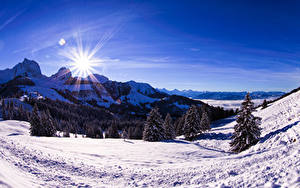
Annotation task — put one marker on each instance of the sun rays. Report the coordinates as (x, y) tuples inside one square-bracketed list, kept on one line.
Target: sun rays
[(81, 61)]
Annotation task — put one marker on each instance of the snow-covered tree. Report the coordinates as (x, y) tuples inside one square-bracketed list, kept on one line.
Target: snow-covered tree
[(204, 123), (135, 132), (35, 122), (192, 123), (246, 131), (169, 128), (179, 125), (93, 129), (48, 127), (4, 116), (112, 131), (264, 104), (154, 129)]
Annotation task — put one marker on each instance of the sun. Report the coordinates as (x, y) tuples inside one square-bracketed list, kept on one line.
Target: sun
[(81, 61), (83, 64)]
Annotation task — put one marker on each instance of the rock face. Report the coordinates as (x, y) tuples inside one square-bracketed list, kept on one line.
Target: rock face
[(27, 68)]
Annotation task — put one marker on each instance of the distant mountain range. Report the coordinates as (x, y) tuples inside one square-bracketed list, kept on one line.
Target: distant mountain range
[(223, 95), (129, 98)]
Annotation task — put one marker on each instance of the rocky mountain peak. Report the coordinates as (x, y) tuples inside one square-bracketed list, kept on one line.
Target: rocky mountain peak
[(62, 74), (28, 68)]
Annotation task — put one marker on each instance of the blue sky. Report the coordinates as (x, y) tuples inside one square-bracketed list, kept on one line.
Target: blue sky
[(200, 45)]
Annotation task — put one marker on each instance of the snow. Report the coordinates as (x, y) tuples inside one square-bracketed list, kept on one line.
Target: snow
[(74, 162), (142, 88), (136, 98)]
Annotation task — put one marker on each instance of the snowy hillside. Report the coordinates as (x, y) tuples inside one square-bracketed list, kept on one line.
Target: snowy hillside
[(50, 162)]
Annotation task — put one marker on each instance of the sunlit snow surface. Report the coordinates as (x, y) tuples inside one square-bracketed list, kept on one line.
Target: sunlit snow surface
[(48, 162)]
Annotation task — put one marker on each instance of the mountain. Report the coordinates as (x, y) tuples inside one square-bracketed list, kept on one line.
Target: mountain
[(96, 90), (26, 68), (223, 95)]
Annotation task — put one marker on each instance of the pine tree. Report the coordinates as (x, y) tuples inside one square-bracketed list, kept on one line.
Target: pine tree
[(191, 123), (50, 128), (4, 116), (93, 129), (264, 104), (112, 131), (131, 133), (138, 132), (154, 130), (90, 130), (35, 122), (204, 123), (246, 131), (169, 128), (43, 122), (179, 124)]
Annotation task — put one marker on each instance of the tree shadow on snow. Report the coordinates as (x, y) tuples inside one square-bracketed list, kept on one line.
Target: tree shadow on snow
[(176, 141), (222, 129), (271, 134), (210, 149), (222, 122), (128, 141), (14, 134), (193, 143), (214, 136)]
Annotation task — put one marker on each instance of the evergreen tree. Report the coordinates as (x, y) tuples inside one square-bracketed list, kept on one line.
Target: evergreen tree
[(154, 129), (50, 127), (179, 124), (204, 123), (112, 131), (4, 116), (90, 130), (131, 133), (35, 122), (138, 132), (93, 129), (246, 131), (169, 128), (264, 104), (191, 123)]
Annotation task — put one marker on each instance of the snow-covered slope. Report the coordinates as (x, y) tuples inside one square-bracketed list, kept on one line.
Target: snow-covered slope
[(67, 162), (142, 88)]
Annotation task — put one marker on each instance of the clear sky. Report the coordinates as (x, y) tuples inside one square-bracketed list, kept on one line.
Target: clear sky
[(200, 45)]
